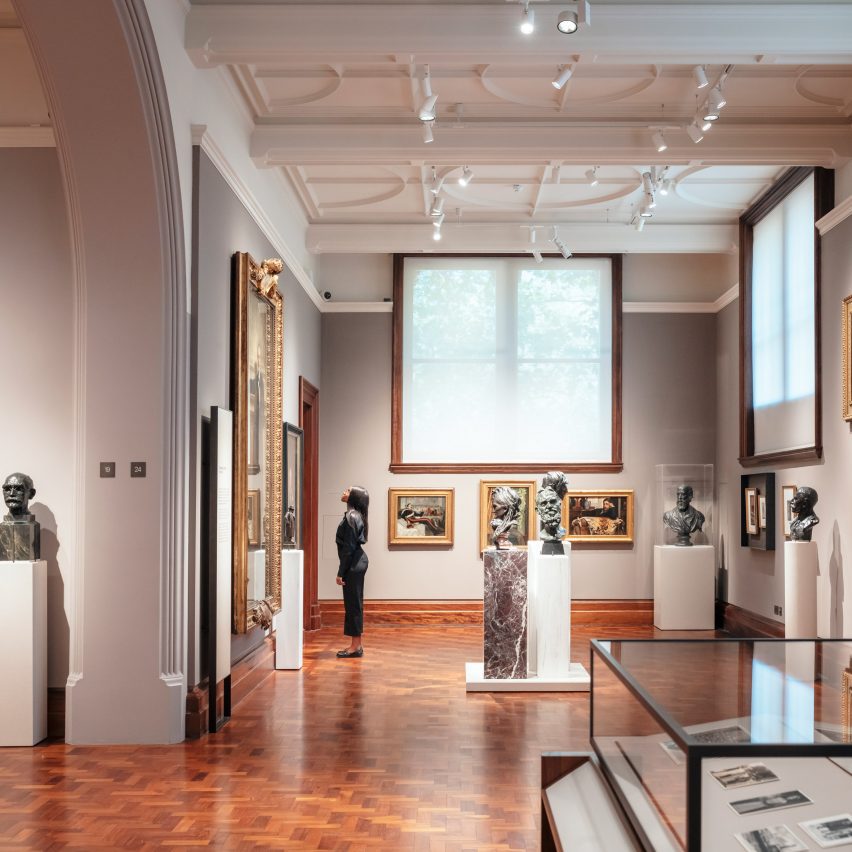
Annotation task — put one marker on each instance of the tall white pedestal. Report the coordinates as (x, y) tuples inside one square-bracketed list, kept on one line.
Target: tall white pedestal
[(684, 587), (23, 660), (801, 567), (549, 612), (289, 627)]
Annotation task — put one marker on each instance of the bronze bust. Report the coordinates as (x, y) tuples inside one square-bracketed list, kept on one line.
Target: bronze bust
[(20, 534), (548, 504), (802, 505), (684, 519)]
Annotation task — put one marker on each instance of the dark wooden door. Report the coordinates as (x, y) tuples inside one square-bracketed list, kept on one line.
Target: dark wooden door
[(309, 422)]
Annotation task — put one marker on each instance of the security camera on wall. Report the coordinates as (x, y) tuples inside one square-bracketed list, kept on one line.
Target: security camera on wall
[(327, 295)]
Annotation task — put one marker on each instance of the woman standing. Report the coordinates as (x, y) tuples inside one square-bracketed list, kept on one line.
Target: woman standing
[(351, 534)]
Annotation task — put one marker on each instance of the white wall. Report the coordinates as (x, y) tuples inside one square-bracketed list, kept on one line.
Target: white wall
[(36, 382), (755, 579), (669, 417)]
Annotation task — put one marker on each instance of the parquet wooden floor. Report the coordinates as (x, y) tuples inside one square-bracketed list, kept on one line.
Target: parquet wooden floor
[(385, 752)]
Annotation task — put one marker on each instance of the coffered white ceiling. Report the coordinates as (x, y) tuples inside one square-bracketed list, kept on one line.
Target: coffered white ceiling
[(334, 89)]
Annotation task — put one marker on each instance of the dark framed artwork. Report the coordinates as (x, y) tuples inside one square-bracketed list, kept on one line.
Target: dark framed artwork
[(757, 489), (421, 516), (294, 480), (598, 517)]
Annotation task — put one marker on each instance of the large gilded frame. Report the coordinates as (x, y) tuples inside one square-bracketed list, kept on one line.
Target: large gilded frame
[(253, 281)]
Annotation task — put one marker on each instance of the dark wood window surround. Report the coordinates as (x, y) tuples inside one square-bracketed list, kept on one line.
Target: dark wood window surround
[(823, 203), (398, 466)]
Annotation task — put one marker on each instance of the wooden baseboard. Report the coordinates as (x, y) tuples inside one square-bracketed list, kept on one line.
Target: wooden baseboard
[(743, 623), (246, 676), (384, 613)]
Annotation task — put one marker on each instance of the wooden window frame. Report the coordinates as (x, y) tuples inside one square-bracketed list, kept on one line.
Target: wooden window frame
[(398, 466), (823, 203)]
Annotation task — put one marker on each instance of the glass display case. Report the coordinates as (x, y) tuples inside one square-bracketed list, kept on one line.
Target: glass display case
[(726, 744), (670, 477)]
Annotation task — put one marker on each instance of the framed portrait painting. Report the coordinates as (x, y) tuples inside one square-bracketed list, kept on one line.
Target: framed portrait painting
[(525, 530), (598, 517), (421, 516), (294, 460)]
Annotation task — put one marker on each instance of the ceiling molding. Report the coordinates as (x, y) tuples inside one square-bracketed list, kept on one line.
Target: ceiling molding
[(201, 136), (683, 307), (834, 217), (27, 137), (357, 307)]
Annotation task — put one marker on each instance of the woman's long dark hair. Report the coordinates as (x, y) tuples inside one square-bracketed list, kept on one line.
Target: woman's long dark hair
[(359, 500)]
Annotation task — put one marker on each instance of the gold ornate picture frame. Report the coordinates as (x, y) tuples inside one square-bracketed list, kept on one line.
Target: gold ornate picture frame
[(846, 367), (526, 515), (257, 368), (421, 516), (599, 516)]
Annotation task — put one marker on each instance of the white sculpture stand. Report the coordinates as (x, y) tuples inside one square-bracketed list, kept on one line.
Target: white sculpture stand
[(256, 566), (23, 662), (801, 567), (549, 666), (684, 587), (289, 621)]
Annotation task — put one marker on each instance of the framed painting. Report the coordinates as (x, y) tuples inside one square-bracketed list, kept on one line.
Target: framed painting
[(421, 516), (752, 518), (253, 522), (294, 477), (846, 366), (761, 512), (525, 530), (757, 511), (788, 492), (598, 517)]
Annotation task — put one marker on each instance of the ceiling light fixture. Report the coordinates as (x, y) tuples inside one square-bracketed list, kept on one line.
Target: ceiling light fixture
[(694, 133), (563, 76), (647, 183), (537, 255), (567, 22), (659, 141), (427, 108), (665, 187), (650, 201), (465, 177), (436, 233), (427, 132), (559, 244), (436, 183), (717, 98), (528, 19), (700, 77), (592, 176), (638, 222), (713, 107), (705, 125), (437, 208), (438, 220)]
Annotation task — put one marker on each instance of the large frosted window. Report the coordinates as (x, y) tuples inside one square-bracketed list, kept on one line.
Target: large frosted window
[(506, 360), (782, 317)]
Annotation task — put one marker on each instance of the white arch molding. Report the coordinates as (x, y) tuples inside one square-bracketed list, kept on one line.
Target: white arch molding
[(100, 70)]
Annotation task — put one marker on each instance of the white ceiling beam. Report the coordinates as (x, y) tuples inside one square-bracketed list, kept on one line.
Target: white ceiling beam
[(502, 238), (696, 33), (534, 143)]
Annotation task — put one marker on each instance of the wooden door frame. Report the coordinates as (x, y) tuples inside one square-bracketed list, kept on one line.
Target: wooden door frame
[(309, 423)]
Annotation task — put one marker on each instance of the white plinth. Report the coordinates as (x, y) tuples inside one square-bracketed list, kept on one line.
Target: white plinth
[(549, 613), (256, 565), (801, 567), (576, 680), (23, 661), (289, 622), (684, 587)]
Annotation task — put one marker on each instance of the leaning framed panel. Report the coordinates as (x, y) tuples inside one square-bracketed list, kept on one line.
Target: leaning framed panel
[(599, 517), (846, 365), (526, 514), (421, 516)]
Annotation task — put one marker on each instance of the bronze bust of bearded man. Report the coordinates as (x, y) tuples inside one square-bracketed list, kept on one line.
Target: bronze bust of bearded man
[(684, 519), (20, 533)]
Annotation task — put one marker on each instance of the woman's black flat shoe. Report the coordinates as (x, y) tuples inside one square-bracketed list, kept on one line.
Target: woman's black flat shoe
[(345, 653)]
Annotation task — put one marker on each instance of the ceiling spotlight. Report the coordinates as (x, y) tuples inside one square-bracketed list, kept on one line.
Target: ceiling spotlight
[(559, 244), (527, 19), (465, 177), (645, 210), (665, 187), (592, 176), (436, 233), (638, 222), (532, 236), (694, 133), (427, 132), (427, 108), (567, 22), (700, 77), (438, 220), (563, 76), (659, 142), (714, 105), (436, 183), (647, 185), (537, 255), (437, 206), (717, 98), (650, 202)]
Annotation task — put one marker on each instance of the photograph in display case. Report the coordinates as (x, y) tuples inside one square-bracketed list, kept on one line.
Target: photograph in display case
[(422, 516), (830, 831), (525, 530), (598, 517), (775, 802), (788, 492), (745, 775), (673, 751), (727, 735), (253, 521), (752, 518), (775, 838), (846, 365)]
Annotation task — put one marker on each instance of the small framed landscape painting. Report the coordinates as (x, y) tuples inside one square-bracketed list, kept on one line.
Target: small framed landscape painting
[(525, 529), (598, 517), (421, 516)]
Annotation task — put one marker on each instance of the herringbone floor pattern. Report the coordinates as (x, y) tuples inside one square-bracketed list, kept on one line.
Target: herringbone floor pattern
[(385, 752)]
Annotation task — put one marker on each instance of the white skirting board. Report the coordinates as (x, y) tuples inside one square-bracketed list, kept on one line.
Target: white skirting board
[(289, 627), (801, 568), (684, 587), (23, 663), (577, 680)]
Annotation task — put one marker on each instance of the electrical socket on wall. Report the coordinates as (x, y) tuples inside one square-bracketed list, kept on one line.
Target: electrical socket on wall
[(778, 610)]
